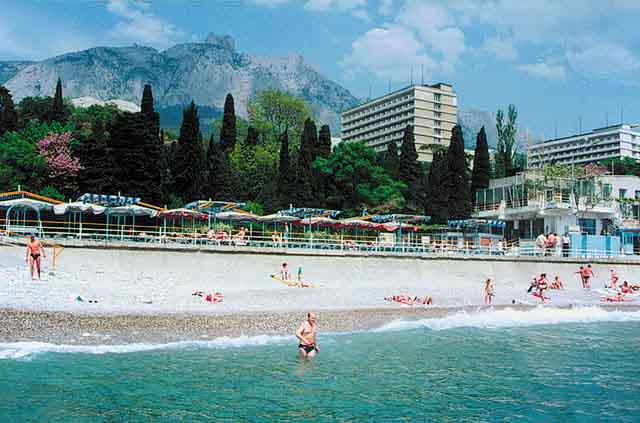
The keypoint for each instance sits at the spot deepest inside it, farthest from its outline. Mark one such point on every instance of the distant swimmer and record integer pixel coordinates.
(34, 251)
(306, 334)
(614, 279)
(488, 291)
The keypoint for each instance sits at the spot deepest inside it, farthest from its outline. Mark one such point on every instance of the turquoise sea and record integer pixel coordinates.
(540, 365)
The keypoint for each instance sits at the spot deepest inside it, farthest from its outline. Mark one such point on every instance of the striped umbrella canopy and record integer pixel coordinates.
(237, 216)
(182, 213)
(277, 218)
(78, 207)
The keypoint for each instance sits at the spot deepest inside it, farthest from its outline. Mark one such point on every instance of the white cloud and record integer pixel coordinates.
(604, 59)
(362, 14)
(341, 5)
(388, 52)
(137, 24)
(436, 27)
(544, 70)
(500, 47)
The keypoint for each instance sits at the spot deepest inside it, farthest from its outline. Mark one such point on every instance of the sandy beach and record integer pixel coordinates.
(147, 296)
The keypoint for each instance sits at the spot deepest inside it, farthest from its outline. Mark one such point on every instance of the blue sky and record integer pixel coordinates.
(557, 61)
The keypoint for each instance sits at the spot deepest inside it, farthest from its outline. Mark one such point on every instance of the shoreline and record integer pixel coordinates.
(113, 329)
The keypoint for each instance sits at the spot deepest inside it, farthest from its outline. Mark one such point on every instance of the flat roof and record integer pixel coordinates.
(593, 131)
(392, 93)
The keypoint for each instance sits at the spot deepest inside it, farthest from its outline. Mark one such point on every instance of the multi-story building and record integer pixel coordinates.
(606, 143)
(431, 109)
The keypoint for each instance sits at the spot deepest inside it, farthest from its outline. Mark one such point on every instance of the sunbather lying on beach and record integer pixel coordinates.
(215, 297)
(407, 300)
(619, 298)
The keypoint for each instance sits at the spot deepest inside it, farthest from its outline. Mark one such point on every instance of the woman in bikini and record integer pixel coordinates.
(34, 251)
(488, 291)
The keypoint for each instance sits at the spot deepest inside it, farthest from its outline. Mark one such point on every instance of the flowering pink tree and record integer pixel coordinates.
(63, 166)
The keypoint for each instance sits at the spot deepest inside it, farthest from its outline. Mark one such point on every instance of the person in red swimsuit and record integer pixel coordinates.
(35, 251)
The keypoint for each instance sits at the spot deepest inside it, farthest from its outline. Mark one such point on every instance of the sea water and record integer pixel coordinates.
(539, 365)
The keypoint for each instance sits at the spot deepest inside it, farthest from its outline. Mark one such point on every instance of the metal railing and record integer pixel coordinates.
(257, 241)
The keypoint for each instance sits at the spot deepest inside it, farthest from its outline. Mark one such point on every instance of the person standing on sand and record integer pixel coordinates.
(588, 274)
(614, 279)
(488, 291)
(306, 334)
(541, 243)
(34, 251)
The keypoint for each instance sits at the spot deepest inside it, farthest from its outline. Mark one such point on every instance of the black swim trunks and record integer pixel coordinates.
(307, 348)
(35, 256)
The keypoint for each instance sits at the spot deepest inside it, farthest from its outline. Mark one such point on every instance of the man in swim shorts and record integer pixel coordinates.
(34, 251)
(306, 334)
(588, 274)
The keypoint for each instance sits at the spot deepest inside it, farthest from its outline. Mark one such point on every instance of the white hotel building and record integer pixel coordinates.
(606, 143)
(432, 110)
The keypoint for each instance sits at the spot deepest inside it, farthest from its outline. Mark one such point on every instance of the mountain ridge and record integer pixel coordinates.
(203, 72)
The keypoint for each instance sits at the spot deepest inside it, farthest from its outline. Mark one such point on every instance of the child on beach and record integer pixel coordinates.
(614, 279)
(284, 272)
(488, 291)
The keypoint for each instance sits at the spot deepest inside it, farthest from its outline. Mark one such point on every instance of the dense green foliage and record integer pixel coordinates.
(505, 164)
(276, 158)
(410, 172)
(357, 181)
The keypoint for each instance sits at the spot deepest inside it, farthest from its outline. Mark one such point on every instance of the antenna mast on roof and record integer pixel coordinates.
(389, 89)
(422, 73)
(606, 118)
(621, 114)
(411, 83)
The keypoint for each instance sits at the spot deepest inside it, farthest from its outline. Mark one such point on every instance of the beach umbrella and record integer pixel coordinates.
(236, 216)
(78, 207)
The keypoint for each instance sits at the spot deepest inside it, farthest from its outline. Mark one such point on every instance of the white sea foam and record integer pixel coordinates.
(18, 350)
(505, 318)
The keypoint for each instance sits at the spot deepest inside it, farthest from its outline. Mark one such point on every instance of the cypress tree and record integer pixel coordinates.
(188, 164)
(146, 105)
(410, 171)
(97, 172)
(8, 114)
(57, 107)
(228, 130)
(129, 138)
(391, 161)
(437, 192)
(458, 180)
(304, 193)
(481, 165)
(324, 141)
(284, 172)
(153, 165)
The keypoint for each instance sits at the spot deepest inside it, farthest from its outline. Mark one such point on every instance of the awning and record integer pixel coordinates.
(182, 213)
(26, 203)
(131, 210)
(236, 216)
(78, 207)
(277, 218)
(108, 200)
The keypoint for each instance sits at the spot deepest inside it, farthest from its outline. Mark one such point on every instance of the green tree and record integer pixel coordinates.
(35, 109)
(152, 165)
(507, 143)
(274, 112)
(391, 160)
(410, 172)
(8, 114)
(188, 166)
(481, 165)
(284, 172)
(458, 182)
(228, 132)
(359, 182)
(437, 190)
(304, 183)
(324, 141)
(57, 107)
(21, 164)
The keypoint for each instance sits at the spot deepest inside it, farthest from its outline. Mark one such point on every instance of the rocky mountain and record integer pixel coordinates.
(204, 72)
(9, 69)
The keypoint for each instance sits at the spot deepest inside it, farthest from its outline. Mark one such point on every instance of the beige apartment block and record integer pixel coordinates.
(431, 109)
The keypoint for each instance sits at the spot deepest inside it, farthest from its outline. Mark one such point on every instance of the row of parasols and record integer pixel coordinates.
(137, 210)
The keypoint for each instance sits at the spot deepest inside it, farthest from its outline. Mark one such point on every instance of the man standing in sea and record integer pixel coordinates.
(306, 334)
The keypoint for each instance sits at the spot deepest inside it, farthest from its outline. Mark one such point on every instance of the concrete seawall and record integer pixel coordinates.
(126, 280)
